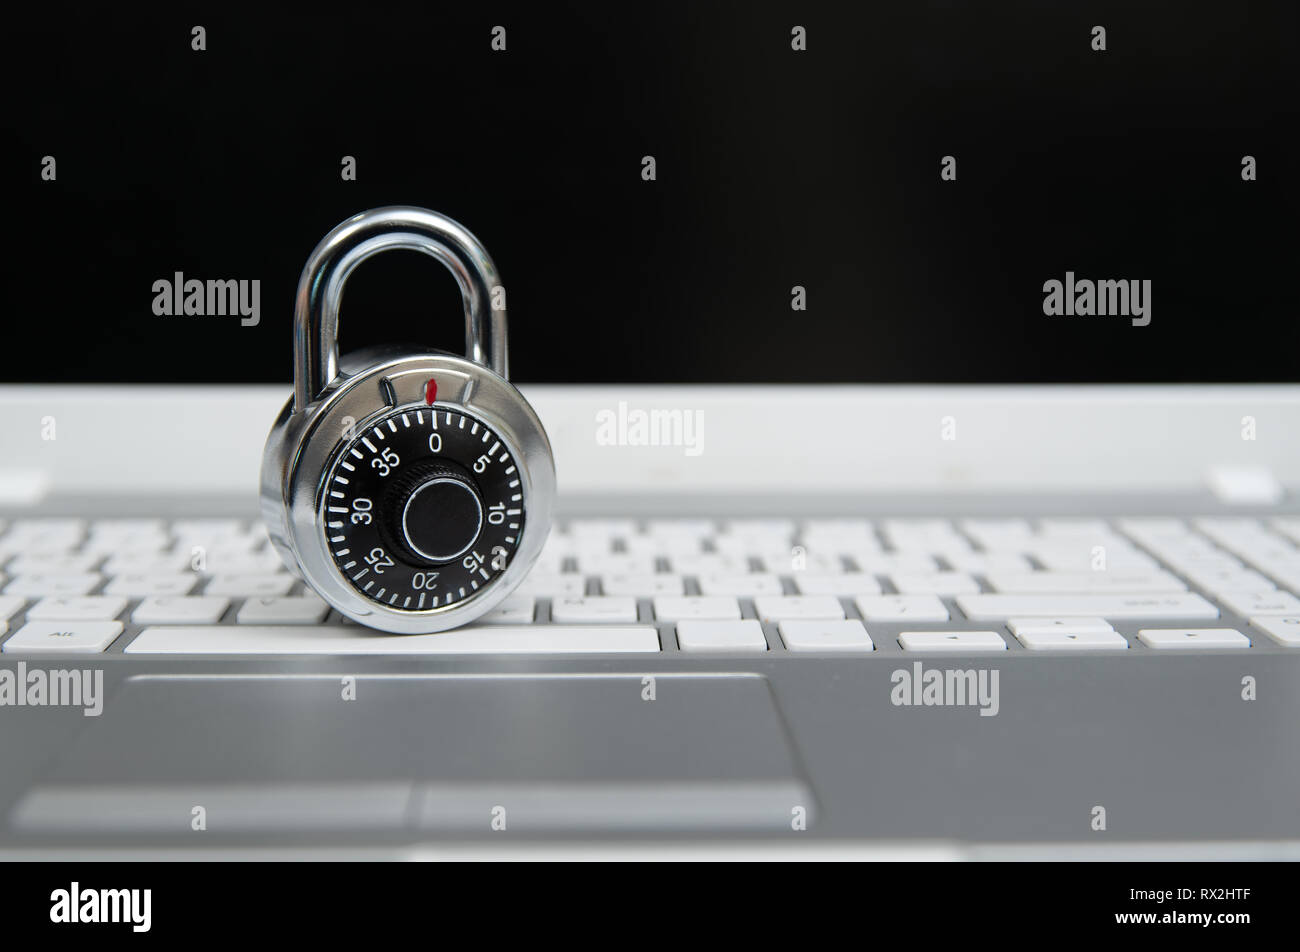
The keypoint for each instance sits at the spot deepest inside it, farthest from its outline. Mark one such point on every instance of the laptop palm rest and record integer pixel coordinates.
(464, 753)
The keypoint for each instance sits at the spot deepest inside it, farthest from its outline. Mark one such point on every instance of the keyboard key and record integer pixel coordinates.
(594, 609)
(1193, 638)
(1037, 626)
(981, 563)
(1137, 607)
(249, 586)
(1284, 629)
(700, 607)
(618, 563)
(283, 610)
(742, 585)
(644, 585)
(709, 564)
(138, 586)
(958, 641)
(1249, 604)
(778, 607)
(10, 606)
(541, 585)
(71, 637)
(77, 608)
(723, 636)
(355, 640)
(514, 609)
(825, 636)
(1069, 583)
(158, 563)
(79, 583)
(180, 610)
(1068, 640)
(843, 583)
(887, 563)
(934, 583)
(66, 564)
(901, 608)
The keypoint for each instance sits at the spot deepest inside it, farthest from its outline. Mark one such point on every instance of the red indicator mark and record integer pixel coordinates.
(431, 391)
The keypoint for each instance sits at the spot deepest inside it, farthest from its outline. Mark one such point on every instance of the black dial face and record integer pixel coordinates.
(424, 508)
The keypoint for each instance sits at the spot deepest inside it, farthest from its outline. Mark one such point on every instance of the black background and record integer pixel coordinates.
(775, 168)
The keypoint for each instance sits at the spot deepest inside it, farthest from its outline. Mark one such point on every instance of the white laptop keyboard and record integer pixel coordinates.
(745, 586)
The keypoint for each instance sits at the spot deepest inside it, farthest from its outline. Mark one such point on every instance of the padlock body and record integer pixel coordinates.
(305, 454)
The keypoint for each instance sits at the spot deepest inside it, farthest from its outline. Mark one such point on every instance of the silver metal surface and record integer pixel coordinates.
(320, 288)
(336, 396)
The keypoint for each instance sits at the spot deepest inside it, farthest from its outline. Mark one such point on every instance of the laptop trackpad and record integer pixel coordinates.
(438, 753)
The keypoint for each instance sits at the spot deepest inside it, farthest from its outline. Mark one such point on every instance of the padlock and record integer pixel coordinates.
(411, 489)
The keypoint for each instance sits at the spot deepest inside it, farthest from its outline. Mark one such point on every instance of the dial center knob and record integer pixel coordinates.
(442, 518)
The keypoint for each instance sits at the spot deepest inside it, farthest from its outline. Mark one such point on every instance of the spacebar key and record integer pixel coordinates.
(1115, 607)
(347, 640)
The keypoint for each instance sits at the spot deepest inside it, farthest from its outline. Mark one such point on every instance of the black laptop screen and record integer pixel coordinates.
(914, 192)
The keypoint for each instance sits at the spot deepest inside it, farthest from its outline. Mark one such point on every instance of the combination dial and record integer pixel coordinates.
(424, 508)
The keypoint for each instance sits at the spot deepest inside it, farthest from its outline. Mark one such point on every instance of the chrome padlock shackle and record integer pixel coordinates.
(320, 289)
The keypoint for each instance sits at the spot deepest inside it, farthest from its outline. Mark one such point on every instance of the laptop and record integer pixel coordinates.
(906, 505)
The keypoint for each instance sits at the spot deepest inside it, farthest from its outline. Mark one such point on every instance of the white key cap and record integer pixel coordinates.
(79, 583)
(515, 609)
(901, 608)
(778, 607)
(1070, 583)
(723, 636)
(1038, 626)
(759, 528)
(77, 608)
(283, 610)
(226, 562)
(700, 607)
(1284, 629)
(744, 585)
(617, 564)
(593, 609)
(843, 583)
(1193, 638)
(1229, 580)
(887, 563)
(664, 546)
(209, 529)
(72, 637)
(9, 606)
(981, 563)
(121, 545)
(825, 636)
(785, 562)
(52, 564)
(1072, 527)
(692, 528)
(355, 640)
(1073, 640)
(643, 584)
(158, 563)
(1138, 607)
(1249, 604)
(959, 641)
(602, 528)
(552, 586)
(934, 583)
(713, 563)
(112, 527)
(249, 586)
(1083, 561)
(180, 610)
(138, 586)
